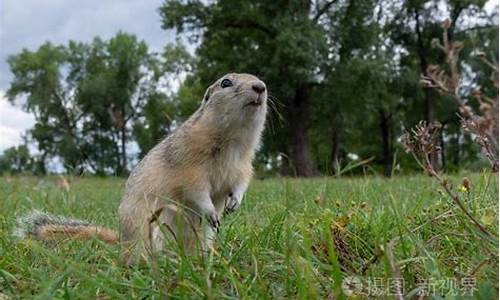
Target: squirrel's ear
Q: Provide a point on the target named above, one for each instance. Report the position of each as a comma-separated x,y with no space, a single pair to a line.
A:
208,93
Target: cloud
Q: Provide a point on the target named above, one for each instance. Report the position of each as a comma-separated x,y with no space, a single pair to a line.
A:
30,23
13,123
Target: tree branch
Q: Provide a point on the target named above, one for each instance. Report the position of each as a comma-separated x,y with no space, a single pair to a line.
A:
322,10
68,123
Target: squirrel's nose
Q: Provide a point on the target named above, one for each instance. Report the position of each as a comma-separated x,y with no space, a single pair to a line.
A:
259,87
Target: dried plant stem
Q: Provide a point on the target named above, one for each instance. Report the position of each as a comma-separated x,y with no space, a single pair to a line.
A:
482,122
421,142
396,271
479,266
456,199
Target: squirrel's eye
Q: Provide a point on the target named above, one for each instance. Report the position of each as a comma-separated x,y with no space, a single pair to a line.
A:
226,83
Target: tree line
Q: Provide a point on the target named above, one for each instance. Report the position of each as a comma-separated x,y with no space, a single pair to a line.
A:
343,75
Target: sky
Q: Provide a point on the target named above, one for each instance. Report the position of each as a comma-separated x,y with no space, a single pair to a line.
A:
30,23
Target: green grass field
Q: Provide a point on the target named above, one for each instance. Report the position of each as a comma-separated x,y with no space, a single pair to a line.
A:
292,238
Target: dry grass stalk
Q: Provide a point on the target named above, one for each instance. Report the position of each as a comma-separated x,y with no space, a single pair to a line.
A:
63,183
396,270
421,143
483,124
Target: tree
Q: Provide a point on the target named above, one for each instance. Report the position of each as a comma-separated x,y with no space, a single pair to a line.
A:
415,25
352,32
282,42
15,160
343,78
38,76
115,84
161,111
87,98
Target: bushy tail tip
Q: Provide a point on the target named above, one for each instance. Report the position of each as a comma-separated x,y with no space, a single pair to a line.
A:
42,226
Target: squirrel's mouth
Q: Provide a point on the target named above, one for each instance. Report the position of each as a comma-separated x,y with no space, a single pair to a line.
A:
255,102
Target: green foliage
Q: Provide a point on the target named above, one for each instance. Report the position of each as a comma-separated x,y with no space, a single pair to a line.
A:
291,239
114,88
343,78
90,99
155,123
16,160
37,75
341,70
273,40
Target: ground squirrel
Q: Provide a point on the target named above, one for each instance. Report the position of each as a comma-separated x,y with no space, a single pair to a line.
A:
194,174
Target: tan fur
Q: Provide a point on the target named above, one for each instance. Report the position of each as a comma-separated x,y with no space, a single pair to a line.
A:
57,232
192,173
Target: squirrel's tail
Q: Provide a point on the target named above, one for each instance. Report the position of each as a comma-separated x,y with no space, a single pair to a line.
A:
45,227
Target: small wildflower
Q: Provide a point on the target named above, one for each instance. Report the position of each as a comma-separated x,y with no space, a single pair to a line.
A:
463,189
466,183
421,140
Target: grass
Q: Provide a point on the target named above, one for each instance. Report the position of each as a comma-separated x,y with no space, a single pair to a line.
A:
292,238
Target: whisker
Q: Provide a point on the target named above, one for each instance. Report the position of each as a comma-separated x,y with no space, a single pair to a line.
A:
272,104
276,100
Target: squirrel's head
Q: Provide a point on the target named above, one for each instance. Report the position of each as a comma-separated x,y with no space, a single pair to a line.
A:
236,100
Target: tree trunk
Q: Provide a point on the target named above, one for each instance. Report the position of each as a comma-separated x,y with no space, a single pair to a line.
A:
117,153
123,133
300,158
387,153
285,169
41,167
443,150
428,101
456,152
336,154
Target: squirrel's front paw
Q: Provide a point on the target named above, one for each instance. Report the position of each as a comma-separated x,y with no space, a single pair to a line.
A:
213,220
234,202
